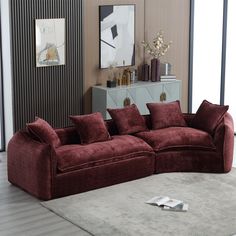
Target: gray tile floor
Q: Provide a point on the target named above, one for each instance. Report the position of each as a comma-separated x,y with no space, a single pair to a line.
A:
22,215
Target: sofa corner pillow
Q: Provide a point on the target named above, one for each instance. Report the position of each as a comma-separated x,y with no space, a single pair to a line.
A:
208,116
164,115
91,128
128,120
44,132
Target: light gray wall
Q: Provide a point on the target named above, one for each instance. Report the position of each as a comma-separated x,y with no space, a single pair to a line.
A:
7,77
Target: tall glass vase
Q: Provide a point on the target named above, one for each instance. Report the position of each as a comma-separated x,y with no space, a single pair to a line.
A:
155,70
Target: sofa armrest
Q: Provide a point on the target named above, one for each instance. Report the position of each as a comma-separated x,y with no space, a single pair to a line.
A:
30,165
224,140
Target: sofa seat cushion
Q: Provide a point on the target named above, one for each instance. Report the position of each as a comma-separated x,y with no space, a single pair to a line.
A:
177,137
75,157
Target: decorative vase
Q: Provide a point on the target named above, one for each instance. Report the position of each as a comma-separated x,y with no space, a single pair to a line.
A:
145,72
155,70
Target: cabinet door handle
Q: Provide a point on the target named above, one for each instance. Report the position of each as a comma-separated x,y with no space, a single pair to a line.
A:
126,102
163,97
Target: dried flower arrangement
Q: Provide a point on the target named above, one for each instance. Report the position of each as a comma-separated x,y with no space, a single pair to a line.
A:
159,48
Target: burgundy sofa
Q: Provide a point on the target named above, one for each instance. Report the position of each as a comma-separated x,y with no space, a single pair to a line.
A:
48,173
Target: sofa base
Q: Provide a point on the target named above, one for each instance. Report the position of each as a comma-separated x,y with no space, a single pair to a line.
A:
189,161
92,178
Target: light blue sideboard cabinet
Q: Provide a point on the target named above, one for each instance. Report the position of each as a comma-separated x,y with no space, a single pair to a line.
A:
139,93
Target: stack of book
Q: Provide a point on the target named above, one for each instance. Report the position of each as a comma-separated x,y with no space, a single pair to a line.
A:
168,204
167,77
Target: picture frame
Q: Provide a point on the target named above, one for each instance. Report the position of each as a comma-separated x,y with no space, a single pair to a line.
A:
50,42
116,35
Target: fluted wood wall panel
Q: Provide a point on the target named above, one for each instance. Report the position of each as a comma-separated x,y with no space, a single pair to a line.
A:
55,92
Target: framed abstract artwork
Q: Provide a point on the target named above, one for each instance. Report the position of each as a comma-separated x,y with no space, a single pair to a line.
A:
50,42
117,30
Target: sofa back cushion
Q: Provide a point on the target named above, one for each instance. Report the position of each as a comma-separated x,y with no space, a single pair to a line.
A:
128,120
111,127
208,116
188,117
91,128
164,115
44,132
68,135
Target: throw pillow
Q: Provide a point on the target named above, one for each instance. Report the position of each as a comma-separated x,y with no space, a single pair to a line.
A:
91,128
128,119
208,116
44,132
164,115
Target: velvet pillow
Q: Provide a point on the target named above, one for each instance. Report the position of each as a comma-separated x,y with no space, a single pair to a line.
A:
165,115
44,132
208,116
91,128
128,119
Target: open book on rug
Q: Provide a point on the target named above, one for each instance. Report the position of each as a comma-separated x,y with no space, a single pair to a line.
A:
180,207
167,203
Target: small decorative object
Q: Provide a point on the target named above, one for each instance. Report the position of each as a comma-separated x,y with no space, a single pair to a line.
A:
127,102
165,68
166,72
157,50
111,74
163,97
126,77
111,83
50,42
133,78
145,72
119,79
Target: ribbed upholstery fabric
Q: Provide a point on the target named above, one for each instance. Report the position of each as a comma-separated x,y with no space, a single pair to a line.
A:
34,165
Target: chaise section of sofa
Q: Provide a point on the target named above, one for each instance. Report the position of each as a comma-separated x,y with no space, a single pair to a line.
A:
48,172
84,167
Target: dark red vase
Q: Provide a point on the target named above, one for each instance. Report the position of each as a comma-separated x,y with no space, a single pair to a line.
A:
155,70
145,72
